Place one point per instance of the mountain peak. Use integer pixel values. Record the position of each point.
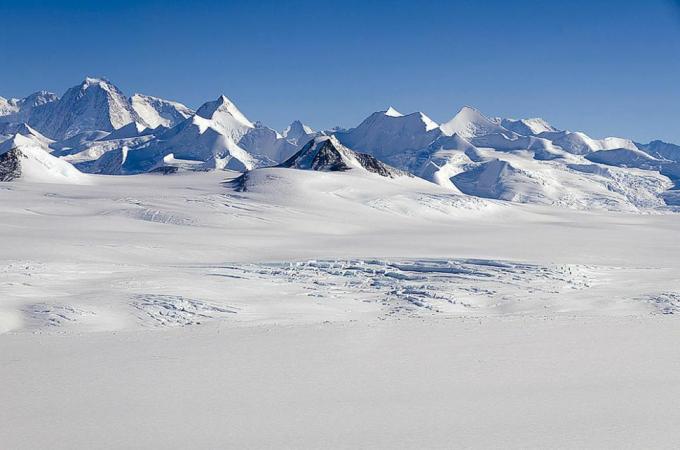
(94, 80)
(95, 104)
(327, 154)
(223, 106)
(393, 112)
(470, 122)
(296, 130)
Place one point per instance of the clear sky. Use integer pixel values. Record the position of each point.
(603, 67)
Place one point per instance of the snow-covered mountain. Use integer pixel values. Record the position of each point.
(22, 158)
(470, 123)
(98, 129)
(267, 145)
(157, 112)
(95, 104)
(526, 127)
(20, 110)
(226, 116)
(206, 140)
(9, 130)
(386, 134)
(218, 136)
(298, 133)
(661, 150)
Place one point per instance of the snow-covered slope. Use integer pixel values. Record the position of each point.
(526, 127)
(131, 130)
(444, 158)
(580, 143)
(661, 150)
(625, 157)
(267, 145)
(327, 154)
(9, 129)
(20, 110)
(21, 158)
(159, 112)
(95, 104)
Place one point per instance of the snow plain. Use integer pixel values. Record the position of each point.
(300, 309)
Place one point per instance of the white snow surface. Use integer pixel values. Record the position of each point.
(330, 309)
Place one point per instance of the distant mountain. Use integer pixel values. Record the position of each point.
(298, 133)
(661, 150)
(581, 144)
(218, 136)
(206, 140)
(267, 145)
(19, 110)
(385, 134)
(95, 104)
(469, 123)
(98, 129)
(327, 154)
(526, 127)
(157, 112)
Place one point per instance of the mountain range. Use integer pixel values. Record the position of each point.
(95, 128)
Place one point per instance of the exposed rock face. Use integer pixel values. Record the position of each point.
(10, 167)
(327, 154)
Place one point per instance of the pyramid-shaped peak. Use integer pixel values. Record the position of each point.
(469, 111)
(470, 122)
(223, 105)
(326, 153)
(297, 129)
(393, 112)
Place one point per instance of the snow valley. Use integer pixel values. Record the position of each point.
(287, 288)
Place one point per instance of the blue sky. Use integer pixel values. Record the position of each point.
(607, 68)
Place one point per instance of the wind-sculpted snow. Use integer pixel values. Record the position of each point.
(171, 310)
(41, 315)
(464, 286)
(665, 302)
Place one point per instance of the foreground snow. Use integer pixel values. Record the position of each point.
(329, 309)
(492, 383)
